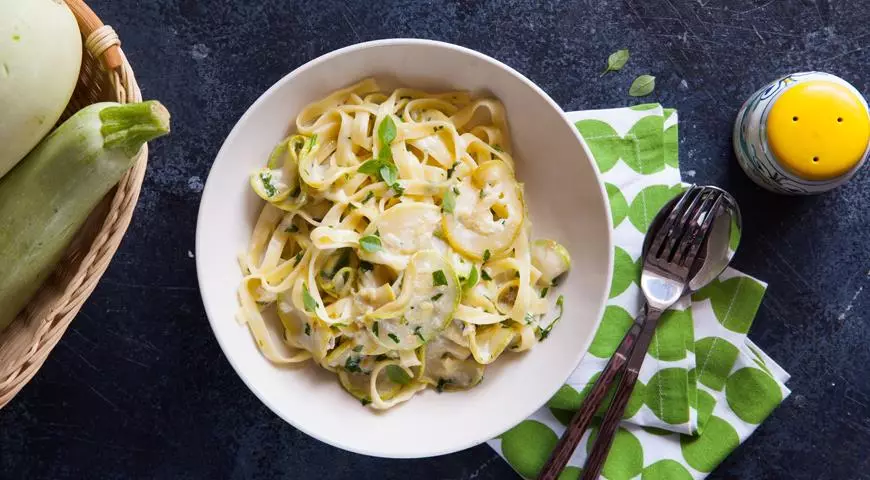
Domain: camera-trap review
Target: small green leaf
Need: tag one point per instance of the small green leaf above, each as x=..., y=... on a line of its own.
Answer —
x=352, y=364
x=308, y=329
x=266, y=180
x=544, y=292
x=472, y=279
x=418, y=334
x=372, y=167
x=448, y=203
x=616, y=61
x=393, y=337
x=389, y=173
x=387, y=131
x=437, y=296
x=642, y=86
x=484, y=275
x=438, y=278
x=398, y=375
x=543, y=333
x=375, y=328
x=370, y=243
x=486, y=255
x=308, y=300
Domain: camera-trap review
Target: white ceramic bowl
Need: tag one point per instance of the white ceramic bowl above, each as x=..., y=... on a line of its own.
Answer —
x=567, y=203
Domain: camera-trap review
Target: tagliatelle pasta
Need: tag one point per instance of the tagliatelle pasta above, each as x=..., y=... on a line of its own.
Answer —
x=394, y=244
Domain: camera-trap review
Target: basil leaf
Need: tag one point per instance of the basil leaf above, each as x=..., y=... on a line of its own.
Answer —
x=371, y=167
x=398, y=375
x=544, y=292
x=448, y=203
x=616, y=61
x=370, y=243
x=308, y=300
x=266, y=180
x=486, y=255
x=438, y=278
x=387, y=131
x=471, y=281
x=642, y=86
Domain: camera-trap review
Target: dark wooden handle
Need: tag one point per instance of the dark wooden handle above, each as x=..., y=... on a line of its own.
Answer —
x=581, y=420
x=610, y=423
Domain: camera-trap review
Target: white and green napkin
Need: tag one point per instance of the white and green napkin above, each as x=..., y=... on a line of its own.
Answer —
x=704, y=386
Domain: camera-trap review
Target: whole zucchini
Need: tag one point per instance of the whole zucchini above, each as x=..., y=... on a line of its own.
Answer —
x=49, y=195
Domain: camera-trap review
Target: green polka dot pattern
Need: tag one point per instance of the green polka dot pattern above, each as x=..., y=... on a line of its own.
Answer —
x=715, y=386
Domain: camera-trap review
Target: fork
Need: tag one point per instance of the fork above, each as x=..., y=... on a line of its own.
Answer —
x=669, y=253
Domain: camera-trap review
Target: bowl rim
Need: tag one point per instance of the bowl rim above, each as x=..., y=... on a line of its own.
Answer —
x=602, y=303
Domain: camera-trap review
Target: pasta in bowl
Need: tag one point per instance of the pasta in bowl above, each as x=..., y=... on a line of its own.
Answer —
x=394, y=244
x=346, y=216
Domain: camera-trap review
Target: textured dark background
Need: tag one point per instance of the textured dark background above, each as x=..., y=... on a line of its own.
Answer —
x=138, y=387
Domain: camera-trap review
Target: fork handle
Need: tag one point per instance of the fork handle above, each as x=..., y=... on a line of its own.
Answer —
x=581, y=420
x=610, y=423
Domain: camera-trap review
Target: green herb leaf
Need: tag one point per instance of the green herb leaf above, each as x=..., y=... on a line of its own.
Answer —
x=544, y=292
x=484, y=275
x=393, y=337
x=308, y=300
x=437, y=296
x=370, y=243
x=472, y=279
x=387, y=131
x=375, y=328
x=448, y=203
x=616, y=61
x=529, y=318
x=372, y=167
x=308, y=329
x=452, y=169
x=266, y=180
x=398, y=375
x=389, y=172
x=297, y=258
x=438, y=278
x=352, y=364
x=312, y=142
x=642, y=86
x=418, y=334
x=486, y=255
x=543, y=333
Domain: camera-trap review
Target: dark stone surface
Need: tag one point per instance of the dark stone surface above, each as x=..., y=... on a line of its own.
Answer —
x=138, y=387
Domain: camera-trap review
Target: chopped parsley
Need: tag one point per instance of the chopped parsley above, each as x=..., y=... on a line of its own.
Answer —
x=308, y=329
x=438, y=278
x=398, y=375
x=484, y=275
x=529, y=318
x=297, y=258
x=370, y=243
x=452, y=169
x=375, y=328
x=448, y=203
x=266, y=179
x=437, y=296
x=308, y=300
x=352, y=364
x=418, y=334
x=456, y=191
x=486, y=255
x=368, y=196
x=543, y=333
x=393, y=337
x=544, y=292
x=472, y=279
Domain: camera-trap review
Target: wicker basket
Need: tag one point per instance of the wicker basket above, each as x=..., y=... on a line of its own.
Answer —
x=105, y=76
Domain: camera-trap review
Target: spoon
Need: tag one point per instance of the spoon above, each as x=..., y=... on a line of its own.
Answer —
x=700, y=224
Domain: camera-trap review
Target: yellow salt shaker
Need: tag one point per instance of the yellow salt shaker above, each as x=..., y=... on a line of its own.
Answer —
x=802, y=134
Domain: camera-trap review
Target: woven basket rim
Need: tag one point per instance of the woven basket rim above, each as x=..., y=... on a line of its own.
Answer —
x=27, y=342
